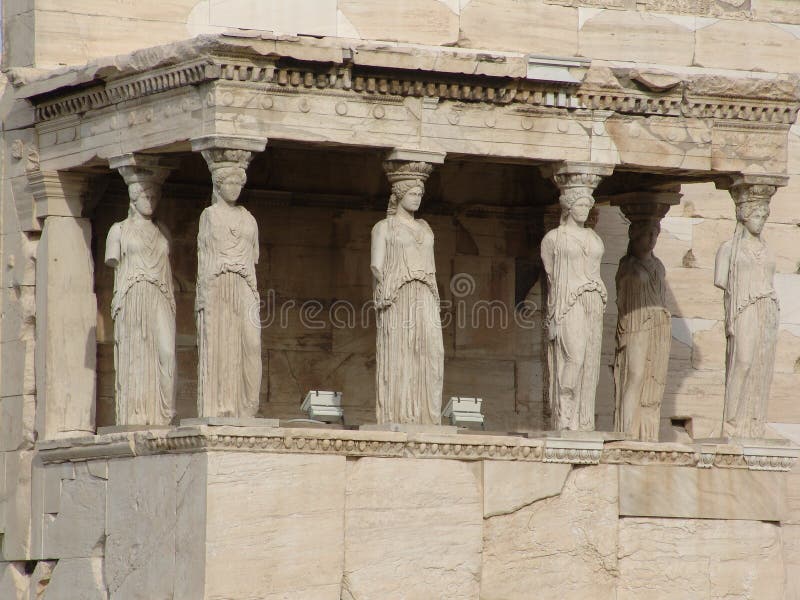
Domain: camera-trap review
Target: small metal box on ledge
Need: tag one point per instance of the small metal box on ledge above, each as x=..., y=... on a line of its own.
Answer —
x=323, y=406
x=464, y=412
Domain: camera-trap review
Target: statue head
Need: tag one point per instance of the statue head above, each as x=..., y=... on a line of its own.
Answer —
x=406, y=193
x=643, y=235
x=228, y=172
x=144, y=197
x=576, y=202
x=753, y=216
x=144, y=188
x=408, y=183
x=228, y=182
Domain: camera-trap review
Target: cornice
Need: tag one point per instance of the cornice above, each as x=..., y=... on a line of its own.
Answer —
x=387, y=83
x=386, y=444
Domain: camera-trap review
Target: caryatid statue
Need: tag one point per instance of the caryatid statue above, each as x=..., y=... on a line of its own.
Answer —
x=745, y=270
x=227, y=301
x=576, y=299
x=643, y=322
x=143, y=304
x=409, y=347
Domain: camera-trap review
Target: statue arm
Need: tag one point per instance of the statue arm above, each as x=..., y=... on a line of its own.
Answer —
x=113, y=249
x=722, y=266
x=255, y=241
x=378, y=250
x=548, y=254
x=203, y=248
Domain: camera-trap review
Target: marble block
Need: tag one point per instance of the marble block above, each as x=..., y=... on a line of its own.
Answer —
x=274, y=526
x=653, y=491
x=413, y=529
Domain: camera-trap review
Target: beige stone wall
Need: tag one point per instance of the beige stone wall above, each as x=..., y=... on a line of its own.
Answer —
x=232, y=524
x=757, y=35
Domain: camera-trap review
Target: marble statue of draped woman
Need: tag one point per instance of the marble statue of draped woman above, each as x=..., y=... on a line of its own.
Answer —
x=410, y=351
x=643, y=336
x=576, y=298
x=745, y=270
x=226, y=306
x=143, y=309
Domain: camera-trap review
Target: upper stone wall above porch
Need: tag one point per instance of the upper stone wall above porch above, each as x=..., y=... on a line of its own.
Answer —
x=751, y=35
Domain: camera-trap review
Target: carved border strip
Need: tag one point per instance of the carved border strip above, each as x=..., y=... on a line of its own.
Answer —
x=387, y=445
x=129, y=88
x=378, y=83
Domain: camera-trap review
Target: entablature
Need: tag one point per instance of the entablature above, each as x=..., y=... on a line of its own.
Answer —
x=329, y=90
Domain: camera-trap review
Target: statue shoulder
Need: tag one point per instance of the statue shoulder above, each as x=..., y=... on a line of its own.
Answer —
x=380, y=227
x=114, y=232
x=550, y=237
x=724, y=251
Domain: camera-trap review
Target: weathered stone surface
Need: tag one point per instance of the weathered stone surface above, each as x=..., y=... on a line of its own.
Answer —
x=190, y=540
x=78, y=578
x=510, y=486
x=78, y=529
x=790, y=535
x=683, y=559
x=564, y=547
x=140, y=556
x=14, y=581
x=776, y=11
x=269, y=518
x=16, y=422
x=783, y=405
x=66, y=317
x=726, y=45
x=708, y=348
x=15, y=504
x=636, y=36
x=530, y=26
x=412, y=529
x=419, y=21
x=691, y=293
x=646, y=491
x=310, y=17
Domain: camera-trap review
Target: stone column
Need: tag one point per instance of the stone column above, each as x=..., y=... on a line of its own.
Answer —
x=143, y=305
x=571, y=255
x=66, y=307
x=745, y=270
x=643, y=322
x=409, y=347
x=227, y=302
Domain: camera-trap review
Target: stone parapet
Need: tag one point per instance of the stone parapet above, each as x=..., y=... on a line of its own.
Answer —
x=241, y=512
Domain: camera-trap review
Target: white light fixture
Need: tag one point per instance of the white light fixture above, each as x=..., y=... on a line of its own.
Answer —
x=464, y=412
x=323, y=406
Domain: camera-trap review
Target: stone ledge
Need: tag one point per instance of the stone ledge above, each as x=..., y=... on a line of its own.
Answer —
x=458, y=446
